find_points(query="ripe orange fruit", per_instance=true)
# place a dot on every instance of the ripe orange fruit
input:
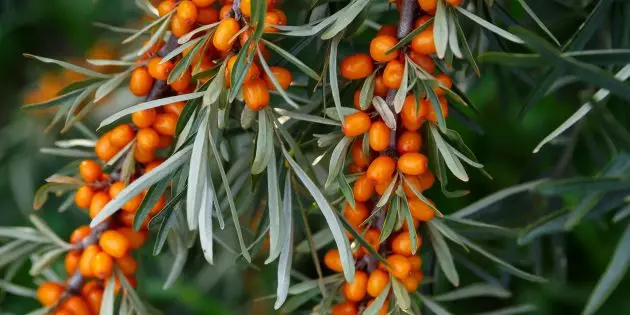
(354, 168)
(102, 265)
(356, 124)
(144, 118)
(426, 180)
(179, 26)
(224, 11)
(104, 149)
(371, 236)
(140, 82)
(252, 72)
(122, 135)
(424, 43)
(90, 286)
(393, 74)
(99, 201)
(127, 264)
(159, 71)
(133, 204)
(420, 210)
(256, 94)
(444, 80)
(114, 243)
(356, 67)
(428, 5)
(115, 188)
(222, 39)
(72, 261)
(76, 305)
(273, 18)
(412, 181)
(165, 124)
(431, 114)
(413, 163)
(90, 171)
(356, 290)
(203, 3)
(175, 108)
(388, 30)
(157, 207)
(454, 2)
(363, 189)
(282, 75)
(381, 187)
(166, 6)
(79, 234)
(207, 15)
(383, 310)
(345, 308)
(400, 266)
(411, 118)
(355, 216)
(187, 11)
(401, 244)
(149, 167)
(379, 136)
(83, 197)
(147, 139)
(377, 282)
(85, 263)
(409, 141)
(182, 84)
(380, 89)
(357, 100)
(381, 169)
(416, 262)
(411, 283)
(246, 7)
(359, 158)
(136, 239)
(49, 293)
(143, 156)
(94, 299)
(424, 61)
(333, 261)
(380, 45)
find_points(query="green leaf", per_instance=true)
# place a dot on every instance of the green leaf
(217, 85)
(384, 112)
(330, 215)
(69, 66)
(306, 117)
(496, 197)
(388, 192)
(258, 8)
(184, 63)
(440, 29)
(583, 185)
(586, 72)
(436, 308)
(23, 233)
(400, 293)
(107, 303)
(367, 92)
(346, 190)
(180, 250)
(473, 291)
(294, 60)
(46, 231)
(78, 101)
(451, 161)
(489, 26)
(41, 195)
(405, 40)
(264, 144)
(337, 159)
(46, 260)
(167, 218)
(274, 80)
(401, 93)
(110, 85)
(130, 292)
(53, 102)
(334, 80)
(512, 310)
(15, 289)
(406, 213)
(146, 180)
(197, 173)
(185, 40)
(276, 224)
(284, 265)
(603, 57)
(443, 254)
(538, 21)
(150, 199)
(435, 103)
(614, 273)
(379, 301)
(205, 220)
(359, 238)
(390, 220)
(348, 15)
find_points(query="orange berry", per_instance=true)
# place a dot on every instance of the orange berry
(416, 262)
(104, 149)
(151, 166)
(381, 169)
(114, 243)
(381, 187)
(387, 30)
(76, 306)
(356, 67)
(431, 114)
(380, 45)
(133, 204)
(401, 244)
(363, 189)
(122, 135)
(94, 299)
(203, 3)
(428, 5)
(127, 264)
(333, 261)
(224, 11)
(281, 15)
(420, 210)
(409, 141)
(223, 36)
(444, 80)
(282, 75)
(207, 15)
(411, 283)
(49, 293)
(175, 108)
(412, 181)
(356, 290)
(115, 188)
(354, 168)
(140, 82)
(160, 71)
(246, 7)
(356, 124)
(411, 115)
(90, 170)
(393, 74)
(136, 239)
(424, 61)
(182, 84)
(380, 89)
(187, 11)
(144, 118)
(83, 197)
(377, 282)
(90, 286)
(99, 201)
(256, 94)
(400, 266)
(72, 261)
(179, 26)
(102, 265)
(424, 43)
(143, 156)
(454, 2)
(379, 136)
(166, 6)
(345, 308)
(165, 124)
(357, 100)
(426, 180)
(359, 158)
(272, 18)
(79, 234)
(412, 163)
(85, 263)
(252, 73)
(148, 139)
(157, 207)
(355, 216)
(383, 310)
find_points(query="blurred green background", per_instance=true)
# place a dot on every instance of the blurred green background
(63, 29)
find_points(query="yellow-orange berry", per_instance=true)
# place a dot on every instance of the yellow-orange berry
(49, 293)
(377, 282)
(147, 139)
(223, 36)
(187, 11)
(140, 82)
(393, 74)
(416, 262)
(400, 267)
(333, 261)
(99, 201)
(356, 67)
(83, 197)
(85, 263)
(356, 290)
(90, 171)
(174, 108)
(79, 234)
(379, 136)
(203, 3)
(381, 169)
(345, 308)
(420, 210)
(76, 306)
(363, 189)
(182, 83)
(401, 244)
(409, 141)
(424, 43)
(122, 135)
(114, 243)
(71, 262)
(144, 118)
(282, 75)
(412, 163)
(179, 26)
(136, 239)
(358, 156)
(256, 94)
(380, 45)
(356, 124)
(159, 70)
(102, 265)
(166, 6)
(424, 61)
(411, 114)
(165, 124)
(94, 299)
(355, 216)
(127, 264)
